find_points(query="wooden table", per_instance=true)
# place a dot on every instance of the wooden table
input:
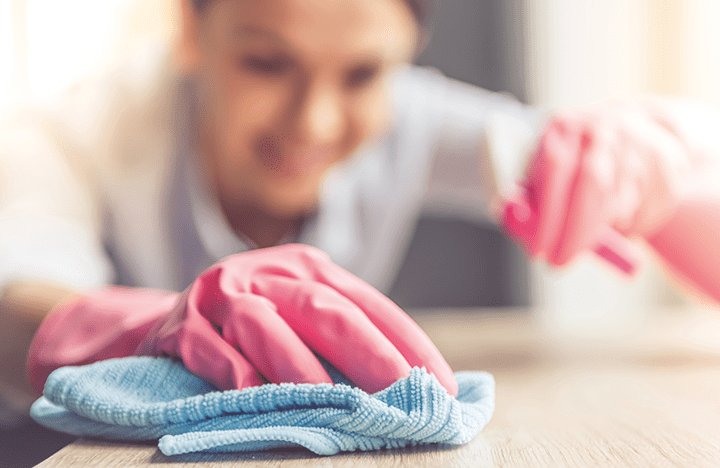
(642, 397)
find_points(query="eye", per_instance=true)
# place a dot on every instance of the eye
(266, 65)
(362, 75)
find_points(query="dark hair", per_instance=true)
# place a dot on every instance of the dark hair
(421, 9)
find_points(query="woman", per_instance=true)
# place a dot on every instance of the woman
(300, 121)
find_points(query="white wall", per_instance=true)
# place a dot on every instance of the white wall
(583, 50)
(701, 48)
(7, 51)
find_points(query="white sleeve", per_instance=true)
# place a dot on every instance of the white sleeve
(483, 143)
(49, 216)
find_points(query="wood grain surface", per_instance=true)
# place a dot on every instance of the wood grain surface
(646, 397)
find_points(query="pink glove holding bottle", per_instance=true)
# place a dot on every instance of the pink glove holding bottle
(254, 317)
(639, 168)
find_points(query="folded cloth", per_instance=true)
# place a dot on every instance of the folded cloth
(145, 398)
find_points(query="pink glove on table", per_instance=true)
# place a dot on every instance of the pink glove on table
(251, 318)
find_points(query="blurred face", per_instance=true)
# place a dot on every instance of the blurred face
(290, 87)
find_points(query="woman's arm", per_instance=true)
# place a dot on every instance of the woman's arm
(23, 306)
(690, 244)
(50, 242)
(690, 240)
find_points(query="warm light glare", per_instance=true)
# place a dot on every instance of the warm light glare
(70, 39)
(48, 45)
(669, 47)
(7, 56)
(579, 51)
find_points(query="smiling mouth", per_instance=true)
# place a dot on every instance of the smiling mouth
(284, 162)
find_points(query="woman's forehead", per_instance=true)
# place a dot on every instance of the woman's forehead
(345, 27)
(421, 9)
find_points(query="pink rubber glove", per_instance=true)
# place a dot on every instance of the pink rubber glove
(613, 166)
(690, 243)
(648, 168)
(95, 326)
(252, 317)
(519, 218)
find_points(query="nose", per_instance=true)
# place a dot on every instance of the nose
(320, 119)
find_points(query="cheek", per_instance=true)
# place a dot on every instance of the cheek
(369, 119)
(243, 112)
(251, 111)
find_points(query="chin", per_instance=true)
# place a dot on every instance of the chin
(289, 205)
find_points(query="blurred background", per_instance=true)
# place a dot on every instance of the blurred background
(551, 53)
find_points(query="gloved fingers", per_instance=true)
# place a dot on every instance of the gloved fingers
(661, 167)
(589, 197)
(289, 260)
(206, 354)
(628, 195)
(250, 323)
(312, 265)
(191, 337)
(336, 328)
(550, 181)
(394, 324)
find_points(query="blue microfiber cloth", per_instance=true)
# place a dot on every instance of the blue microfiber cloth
(145, 398)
